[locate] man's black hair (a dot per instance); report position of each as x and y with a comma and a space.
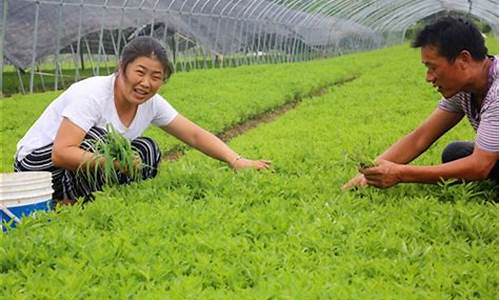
451, 36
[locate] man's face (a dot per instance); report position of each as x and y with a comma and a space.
447, 77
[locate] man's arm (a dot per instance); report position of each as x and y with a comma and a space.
415, 143
476, 166
412, 145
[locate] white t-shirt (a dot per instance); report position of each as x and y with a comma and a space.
90, 103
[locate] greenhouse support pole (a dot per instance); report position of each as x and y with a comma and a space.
276, 47
89, 55
217, 30
250, 37
42, 81
403, 36
250, 29
219, 36
79, 53
174, 52
276, 41
186, 65
243, 59
252, 32
286, 43
246, 39
273, 46
229, 21
257, 47
299, 48
153, 16
283, 41
182, 55
35, 41
242, 50
265, 38
113, 42
190, 21
2, 37
21, 84
120, 29
237, 22
101, 35
58, 45
236, 53
164, 39
266, 34
292, 56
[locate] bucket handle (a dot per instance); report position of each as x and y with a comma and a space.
9, 213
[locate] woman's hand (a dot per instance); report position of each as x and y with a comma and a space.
243, 163
136, 166
206, 142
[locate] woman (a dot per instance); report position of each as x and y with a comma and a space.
63, 139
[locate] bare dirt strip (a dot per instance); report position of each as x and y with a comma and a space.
265, 117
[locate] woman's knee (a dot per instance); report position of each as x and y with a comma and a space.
92, 136
96, 133
150, 154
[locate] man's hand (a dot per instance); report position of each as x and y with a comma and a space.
384, 175
357, 181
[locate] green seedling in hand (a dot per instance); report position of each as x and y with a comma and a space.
362, 161
117, 156
366, 164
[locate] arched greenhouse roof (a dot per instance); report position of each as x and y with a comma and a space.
35, 29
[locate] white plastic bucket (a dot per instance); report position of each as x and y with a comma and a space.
23, 193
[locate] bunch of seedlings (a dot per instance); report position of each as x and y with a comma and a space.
116, 159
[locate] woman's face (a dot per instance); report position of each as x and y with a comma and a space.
142, 79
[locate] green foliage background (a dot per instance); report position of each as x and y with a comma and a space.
201, 231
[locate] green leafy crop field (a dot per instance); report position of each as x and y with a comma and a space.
201, 231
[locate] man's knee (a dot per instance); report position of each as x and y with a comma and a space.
457, 150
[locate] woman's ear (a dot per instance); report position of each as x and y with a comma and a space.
119, 71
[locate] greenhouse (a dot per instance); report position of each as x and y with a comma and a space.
249, 149
200, 34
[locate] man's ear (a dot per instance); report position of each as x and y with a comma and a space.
464, 59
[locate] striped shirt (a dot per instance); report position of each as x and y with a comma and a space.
484, 120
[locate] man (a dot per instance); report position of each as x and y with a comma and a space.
457, 64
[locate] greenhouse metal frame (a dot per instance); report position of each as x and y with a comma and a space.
204, 33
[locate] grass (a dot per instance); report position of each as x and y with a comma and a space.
44, 78
215, 99
200, 230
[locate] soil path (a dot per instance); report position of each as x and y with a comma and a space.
264, 117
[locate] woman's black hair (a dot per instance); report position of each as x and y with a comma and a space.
148, 47
451, 36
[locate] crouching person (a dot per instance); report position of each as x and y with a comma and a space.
458, 66
65, 138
